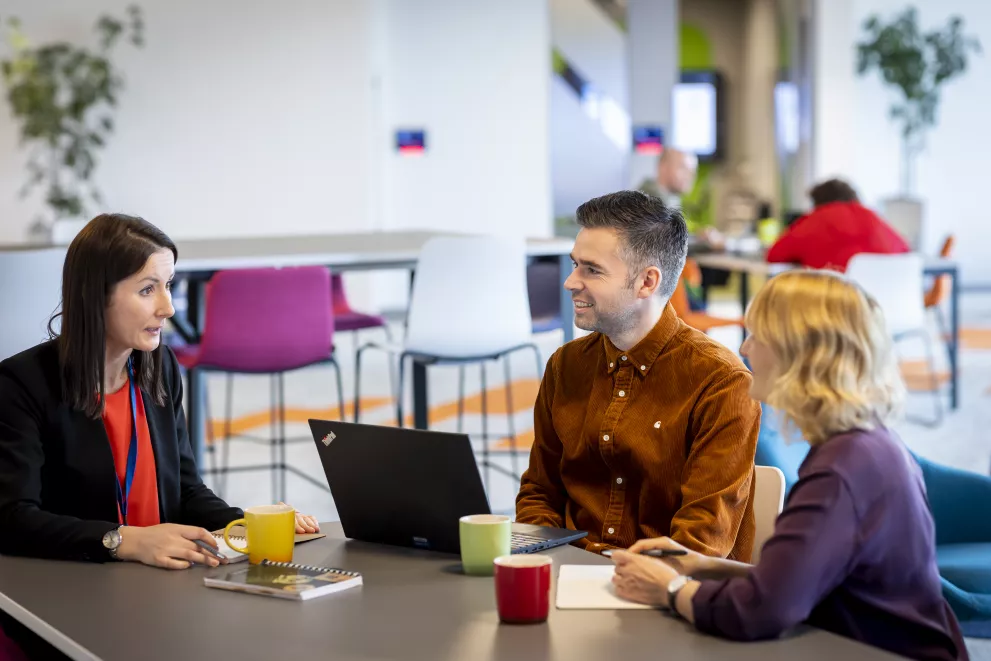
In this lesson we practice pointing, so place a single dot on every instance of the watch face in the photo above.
(112, 539)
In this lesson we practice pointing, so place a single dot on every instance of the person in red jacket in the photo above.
(837, 228)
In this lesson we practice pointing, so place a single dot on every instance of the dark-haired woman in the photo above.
(95, 460)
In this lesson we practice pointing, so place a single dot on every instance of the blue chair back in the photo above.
(772, 450)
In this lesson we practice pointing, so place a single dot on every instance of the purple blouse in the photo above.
(853, 552)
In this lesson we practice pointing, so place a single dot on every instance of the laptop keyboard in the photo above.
(518, 542)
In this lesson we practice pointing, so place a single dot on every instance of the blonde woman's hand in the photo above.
(641, 579)
(692, 563)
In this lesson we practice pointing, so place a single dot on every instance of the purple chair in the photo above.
(265, 321)
(348, 320)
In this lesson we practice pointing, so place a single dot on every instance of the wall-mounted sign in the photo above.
(648, 139)
(411, 142)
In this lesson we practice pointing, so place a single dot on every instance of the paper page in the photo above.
(232, 555)
(589, 587)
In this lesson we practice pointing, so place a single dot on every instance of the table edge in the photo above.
(46, 631)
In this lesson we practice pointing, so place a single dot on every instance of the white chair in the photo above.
(769, 499)
(896, 283)
(30, 291)
(469, 305)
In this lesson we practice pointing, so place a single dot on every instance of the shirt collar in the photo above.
(643, 355)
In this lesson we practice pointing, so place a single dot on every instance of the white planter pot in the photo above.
(904, 214)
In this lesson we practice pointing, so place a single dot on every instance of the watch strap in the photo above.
(682, 581)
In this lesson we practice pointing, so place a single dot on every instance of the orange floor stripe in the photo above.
(975, 338)
(246, 423)
(524, 441)
(918, 378)
(523, 393)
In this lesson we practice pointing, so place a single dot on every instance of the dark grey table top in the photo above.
(413, 605)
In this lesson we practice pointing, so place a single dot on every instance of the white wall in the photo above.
(238, 118)
(245, 119)
(476, 77)
(585, 162)
(855, 139)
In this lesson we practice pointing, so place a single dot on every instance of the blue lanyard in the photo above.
(132, 451)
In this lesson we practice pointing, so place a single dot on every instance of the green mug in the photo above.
(484, 537)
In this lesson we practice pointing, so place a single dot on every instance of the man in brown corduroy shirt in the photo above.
(645, 427)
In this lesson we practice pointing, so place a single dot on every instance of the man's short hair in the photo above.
(653, 234)
(834, 190)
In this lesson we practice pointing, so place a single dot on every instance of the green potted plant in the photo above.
(63, 96)
(917, 64)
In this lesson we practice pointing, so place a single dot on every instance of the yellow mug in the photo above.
(271, 533)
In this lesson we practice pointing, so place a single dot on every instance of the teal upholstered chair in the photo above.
(961, 506)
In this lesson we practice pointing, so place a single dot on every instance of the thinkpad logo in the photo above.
(329, 438)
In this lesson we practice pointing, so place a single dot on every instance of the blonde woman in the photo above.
(853, 551)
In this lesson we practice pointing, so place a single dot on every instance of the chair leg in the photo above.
(485, 428)
(513, 458)
(540, 362)
(934, 381)
(228, 415)
(392, 366)
(282, 436)
(461, 398)
(340, 386)
(944, 335)
(399, 390)
(273, 439)
(211, 442)
(357, 382)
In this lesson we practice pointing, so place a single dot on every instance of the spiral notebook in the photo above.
(285, 580)
(237, 536)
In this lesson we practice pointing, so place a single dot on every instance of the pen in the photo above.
(654, 553)
(213, 551)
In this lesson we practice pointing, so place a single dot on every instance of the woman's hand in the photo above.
(305, 523)
(641, 579)
(692, 563)
(167, 545)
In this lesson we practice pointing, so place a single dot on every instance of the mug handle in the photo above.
(227, 539)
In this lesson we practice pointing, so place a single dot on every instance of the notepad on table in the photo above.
(285, 580)
(237, 536)
(589, 587)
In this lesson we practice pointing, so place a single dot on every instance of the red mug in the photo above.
(523, 588)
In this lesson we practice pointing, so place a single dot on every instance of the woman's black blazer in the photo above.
(57, 493)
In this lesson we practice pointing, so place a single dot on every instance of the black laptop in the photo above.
(409, 487)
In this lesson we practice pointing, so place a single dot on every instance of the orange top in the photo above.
(142, 505)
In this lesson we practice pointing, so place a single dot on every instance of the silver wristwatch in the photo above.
(674, 587)
(111, 542)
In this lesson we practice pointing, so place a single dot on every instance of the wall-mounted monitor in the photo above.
(697, 115)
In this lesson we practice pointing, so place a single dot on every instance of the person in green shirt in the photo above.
(676, 171)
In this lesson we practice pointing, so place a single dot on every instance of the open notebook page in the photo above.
(589, 587)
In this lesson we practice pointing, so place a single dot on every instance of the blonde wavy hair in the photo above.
(837, 369)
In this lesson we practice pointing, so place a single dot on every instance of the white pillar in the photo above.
(653, 51)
